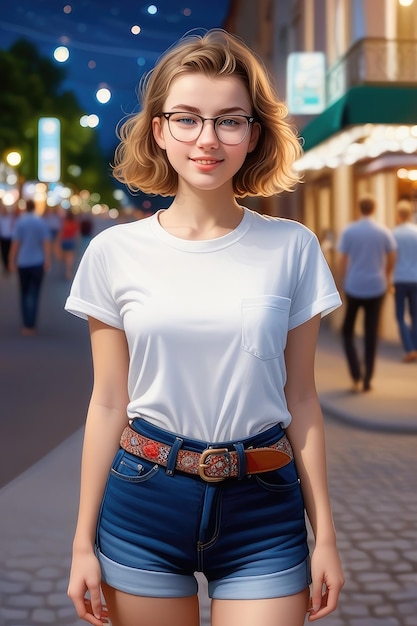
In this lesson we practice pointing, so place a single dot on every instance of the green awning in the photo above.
(363, 104)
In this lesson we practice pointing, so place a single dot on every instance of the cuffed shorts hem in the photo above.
(169, 585)
(275, 585)
(146, 583)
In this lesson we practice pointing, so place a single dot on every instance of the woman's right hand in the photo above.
(84, 589)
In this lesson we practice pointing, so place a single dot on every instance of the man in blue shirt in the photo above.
(30, 255)
(367, 260)
(405, 278)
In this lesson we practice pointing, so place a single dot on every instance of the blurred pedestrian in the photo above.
(68, 238)
(405, 278)
(204, 319)
(53, 218)
(86, 230)
(30, 254)
(367, 257)
(7, 220)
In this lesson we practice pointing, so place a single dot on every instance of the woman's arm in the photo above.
(306, 433)
(105, 421)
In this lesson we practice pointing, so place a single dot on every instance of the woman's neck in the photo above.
(202, 216)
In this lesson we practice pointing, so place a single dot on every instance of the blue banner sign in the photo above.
(49, 149)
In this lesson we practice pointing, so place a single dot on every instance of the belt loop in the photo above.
(172, 457)
(241, 469)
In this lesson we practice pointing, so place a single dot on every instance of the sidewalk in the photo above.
(391, 406)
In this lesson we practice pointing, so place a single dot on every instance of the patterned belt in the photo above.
(213, 464)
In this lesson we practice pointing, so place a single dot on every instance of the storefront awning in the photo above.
(362, 105)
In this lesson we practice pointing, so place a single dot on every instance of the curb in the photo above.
(370, 424)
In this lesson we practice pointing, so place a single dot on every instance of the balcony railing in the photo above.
(373, 60)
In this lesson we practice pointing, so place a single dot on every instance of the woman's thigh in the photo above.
(286, 611)
(129, 610)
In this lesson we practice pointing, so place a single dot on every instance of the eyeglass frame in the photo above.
(250, 119)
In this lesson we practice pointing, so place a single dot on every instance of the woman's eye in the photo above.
(229, 121)
(187, 121)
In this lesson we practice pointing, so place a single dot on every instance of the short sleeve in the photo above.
(315, 291)
(91, 292)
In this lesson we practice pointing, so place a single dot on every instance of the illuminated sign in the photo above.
(49, 149)
(306, 77)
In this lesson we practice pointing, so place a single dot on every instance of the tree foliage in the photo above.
(32, 88)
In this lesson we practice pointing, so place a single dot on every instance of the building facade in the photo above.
(364, 139)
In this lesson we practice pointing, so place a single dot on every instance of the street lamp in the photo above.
(13, 158)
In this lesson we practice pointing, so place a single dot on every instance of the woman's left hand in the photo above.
(327, 581)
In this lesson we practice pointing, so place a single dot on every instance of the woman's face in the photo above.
(205, 163)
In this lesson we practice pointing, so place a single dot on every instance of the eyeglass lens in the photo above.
(230, 129)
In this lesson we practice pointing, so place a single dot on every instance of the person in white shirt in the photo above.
(405, 278)
(204, 440)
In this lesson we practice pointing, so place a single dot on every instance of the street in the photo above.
(372, 480)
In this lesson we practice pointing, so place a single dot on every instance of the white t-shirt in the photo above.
(206, 321)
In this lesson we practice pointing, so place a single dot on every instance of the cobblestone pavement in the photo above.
(372, 481)
(373, 488)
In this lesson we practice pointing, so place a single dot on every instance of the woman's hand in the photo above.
(85, 578)
(327, 581)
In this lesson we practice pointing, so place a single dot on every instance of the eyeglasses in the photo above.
(187, 127)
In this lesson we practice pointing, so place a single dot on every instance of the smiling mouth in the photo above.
(206, 161)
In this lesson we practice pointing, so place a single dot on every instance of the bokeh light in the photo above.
(14, 158)
(89, 121)
(103, 95)
(61, 54)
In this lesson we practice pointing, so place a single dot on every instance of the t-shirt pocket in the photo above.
(265, 325)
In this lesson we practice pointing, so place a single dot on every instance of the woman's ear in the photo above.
(255, 133)
(158, 133)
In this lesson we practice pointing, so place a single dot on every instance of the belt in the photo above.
(213, 464)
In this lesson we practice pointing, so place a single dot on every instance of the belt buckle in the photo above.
(202, 465)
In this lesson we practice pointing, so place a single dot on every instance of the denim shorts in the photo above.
(67, 245)
(247, 536)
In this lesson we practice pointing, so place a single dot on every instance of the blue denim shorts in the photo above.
(247, 536)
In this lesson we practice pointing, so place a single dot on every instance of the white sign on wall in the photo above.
(306, 78)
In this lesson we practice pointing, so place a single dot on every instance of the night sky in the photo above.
(103, 50)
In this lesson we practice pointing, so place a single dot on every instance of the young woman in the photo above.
(204, 320)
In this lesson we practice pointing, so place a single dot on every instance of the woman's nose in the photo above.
(208, 134)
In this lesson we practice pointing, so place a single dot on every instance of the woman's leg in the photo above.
(287, 611)
(69, 263)
(129, 610)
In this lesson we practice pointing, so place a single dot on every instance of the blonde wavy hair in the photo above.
(143, 166)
